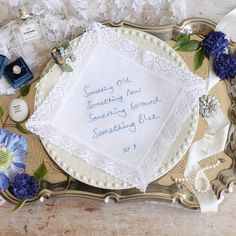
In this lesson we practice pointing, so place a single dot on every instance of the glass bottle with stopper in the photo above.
(30, 35)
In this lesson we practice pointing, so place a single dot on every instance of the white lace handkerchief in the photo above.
(120, 109)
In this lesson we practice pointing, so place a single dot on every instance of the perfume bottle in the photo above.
(30, 35)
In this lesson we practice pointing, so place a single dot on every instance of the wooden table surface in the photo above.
(86, 217)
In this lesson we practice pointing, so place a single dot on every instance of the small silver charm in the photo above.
(208, 106)
(16, 70)
(60, 54)
(63, 56)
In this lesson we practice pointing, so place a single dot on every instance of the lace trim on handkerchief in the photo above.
(192, 87)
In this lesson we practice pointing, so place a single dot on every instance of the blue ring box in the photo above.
(3, 63)
(17, 80)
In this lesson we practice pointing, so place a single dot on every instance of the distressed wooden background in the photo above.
(85, 217)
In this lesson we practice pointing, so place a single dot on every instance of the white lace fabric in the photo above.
(138, 176)
(68, 18)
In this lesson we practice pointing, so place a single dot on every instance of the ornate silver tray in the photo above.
(59, 184)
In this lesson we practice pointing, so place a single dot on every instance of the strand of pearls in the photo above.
(199, 180)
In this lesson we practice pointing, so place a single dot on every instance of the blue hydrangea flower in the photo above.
(13, 150)
(24, 186)
(225, 66)
(215, 43)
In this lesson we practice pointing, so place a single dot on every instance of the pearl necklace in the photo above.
(199, 180)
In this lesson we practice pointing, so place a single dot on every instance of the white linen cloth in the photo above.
(120, 109)
(5, 87)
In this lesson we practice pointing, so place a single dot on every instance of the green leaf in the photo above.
(198, 59)
(1, 112)
(24, 91)
(66, 68)
(20, 128)
(65, 44)
(40, 172)
(182, 39)
(190, 46)
(19, 205)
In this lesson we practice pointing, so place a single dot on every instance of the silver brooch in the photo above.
(208, 106)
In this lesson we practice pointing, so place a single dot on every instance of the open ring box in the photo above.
(21, 77)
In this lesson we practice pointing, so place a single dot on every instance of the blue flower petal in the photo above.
(19, 165)
(19, 156)
(12, 141)
(4, 182)
(16, 169)
(17, 145)
(20, 144)
(10, 174)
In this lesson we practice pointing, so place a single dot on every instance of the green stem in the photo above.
(9, 125)
(4, 123)
(1, 122)
(200, 36)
